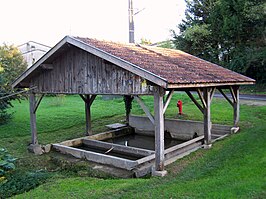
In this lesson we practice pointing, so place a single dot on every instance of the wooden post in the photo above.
(88, 115)
(236, 106)
(128, 106)
(207, 117)
(32, 100)
(159, 131)
(88, 99)
(128, 110)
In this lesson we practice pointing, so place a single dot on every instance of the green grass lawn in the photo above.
(232, 168)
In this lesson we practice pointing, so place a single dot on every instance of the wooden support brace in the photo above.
(88, 100)
(225, 96)
(168, 99)
(194, 100)
(213, 92)
(201, 97)
(144, 108)
(232, 91)
(38, 103)
(92, 98)
(83, 98)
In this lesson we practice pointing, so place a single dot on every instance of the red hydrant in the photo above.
(179, 105)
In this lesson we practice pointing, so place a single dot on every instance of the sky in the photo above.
(48, 21)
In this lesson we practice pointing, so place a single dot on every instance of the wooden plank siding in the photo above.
(80, 72)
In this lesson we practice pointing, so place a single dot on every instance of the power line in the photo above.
(7, 96)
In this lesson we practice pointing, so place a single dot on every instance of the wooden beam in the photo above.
(38, 103)
(236, 105)
(33, 126)
(204, 85)
(194, 100)
(168, 99)
(144, 108)
(207, 117)
(159, 128)
(225, 96)
(201, 97)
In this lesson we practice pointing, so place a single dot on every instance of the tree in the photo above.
(227, 32)
(195, 35)
(165, 44)
(4, 104)
(12, 65)
(243, 32)
(196, 40)
(144, 41)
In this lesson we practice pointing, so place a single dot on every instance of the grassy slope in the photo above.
(234, 167)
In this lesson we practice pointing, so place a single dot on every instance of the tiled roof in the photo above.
(168, 68)
(175, 66)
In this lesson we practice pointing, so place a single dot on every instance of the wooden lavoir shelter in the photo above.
(89, 67)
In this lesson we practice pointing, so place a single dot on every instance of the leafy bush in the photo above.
(6, 162)
(20, 182)
(16, 182)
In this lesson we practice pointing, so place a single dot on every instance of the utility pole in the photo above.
(131, 21)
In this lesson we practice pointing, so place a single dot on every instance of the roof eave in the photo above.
(209, 84)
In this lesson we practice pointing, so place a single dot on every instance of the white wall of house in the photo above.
(32, 51)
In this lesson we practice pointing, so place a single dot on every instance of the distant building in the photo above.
(32, 51)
